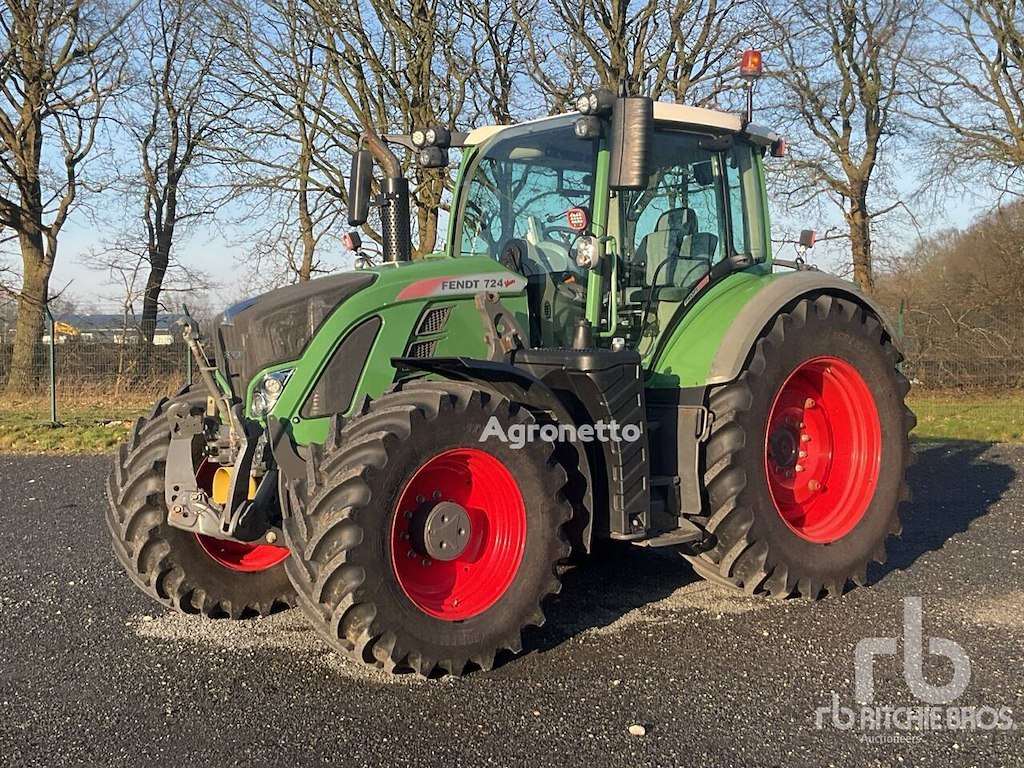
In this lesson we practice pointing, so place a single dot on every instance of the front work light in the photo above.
(598, 103)
(587, 128)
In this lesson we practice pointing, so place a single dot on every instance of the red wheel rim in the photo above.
(248, 558)
(473, 581)
(823, 449)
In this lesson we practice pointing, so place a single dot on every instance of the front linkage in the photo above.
(228, 439)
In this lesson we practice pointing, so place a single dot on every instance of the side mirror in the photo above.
(632, 135)
(359, 188)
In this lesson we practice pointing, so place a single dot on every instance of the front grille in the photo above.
(422, 349)
(433, 320)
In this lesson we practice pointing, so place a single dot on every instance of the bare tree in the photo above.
(492, 48)
(397, 64)
(125, 263)
(171, 118)
(843, 74)
(288, 144)
(680, 49)
(58, 68)
(971, 87)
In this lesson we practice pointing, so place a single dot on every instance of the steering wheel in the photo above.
(561, 229)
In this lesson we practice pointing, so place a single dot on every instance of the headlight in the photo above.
(585, 252)
(267, 391)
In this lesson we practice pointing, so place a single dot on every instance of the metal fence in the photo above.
(966, 351)
(937, 357)
(83, 367)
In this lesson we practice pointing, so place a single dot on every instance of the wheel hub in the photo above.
(783, 447)
(458, 534)
(441, 531)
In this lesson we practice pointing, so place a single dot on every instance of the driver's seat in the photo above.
(667, 249)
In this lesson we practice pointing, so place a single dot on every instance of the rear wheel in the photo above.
(806, 463)
(417, 546)
(177, 568)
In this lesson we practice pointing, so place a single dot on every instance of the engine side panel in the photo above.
(402, 297)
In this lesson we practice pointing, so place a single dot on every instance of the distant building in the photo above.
(111, 328)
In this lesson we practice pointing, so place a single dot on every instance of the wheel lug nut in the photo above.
(813, 485)
(805, 438)
(798, 468)
(789, 473)
(412, 553)
(800, 425)
(802, 454)
(425, 562)
(408, 515)
(421, 498)
(437, 495)
(405, 535)
(809, 403)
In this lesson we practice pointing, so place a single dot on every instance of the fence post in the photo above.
(53, 368)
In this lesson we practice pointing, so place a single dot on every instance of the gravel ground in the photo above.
(92, 672)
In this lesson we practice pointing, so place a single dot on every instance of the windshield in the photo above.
(517, 192)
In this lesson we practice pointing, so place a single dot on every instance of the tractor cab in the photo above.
(617, 256)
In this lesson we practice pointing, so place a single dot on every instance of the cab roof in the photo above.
(679, 114)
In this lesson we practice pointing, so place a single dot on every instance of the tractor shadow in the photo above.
(953, 483)
(618, 579)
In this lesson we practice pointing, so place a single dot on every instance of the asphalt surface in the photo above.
(92, 672)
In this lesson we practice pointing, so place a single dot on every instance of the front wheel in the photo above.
(417, 546)
(177, 568)
(805, 466)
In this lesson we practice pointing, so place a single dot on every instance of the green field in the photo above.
(87, 427)
(96, 427)
(992, 418)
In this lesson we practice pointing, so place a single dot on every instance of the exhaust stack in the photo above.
(393, 201)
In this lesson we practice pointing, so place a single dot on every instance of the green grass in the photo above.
(992, 418)
(97, 426)
(88, 427)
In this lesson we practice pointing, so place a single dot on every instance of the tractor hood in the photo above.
(276, 326)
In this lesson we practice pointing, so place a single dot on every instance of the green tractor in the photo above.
(408, 451)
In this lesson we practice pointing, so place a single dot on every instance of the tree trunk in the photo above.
(859, 221)
(305, 218)
(159, 258)
(31, 314)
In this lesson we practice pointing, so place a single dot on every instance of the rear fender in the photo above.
(758, 313)
(712, 340)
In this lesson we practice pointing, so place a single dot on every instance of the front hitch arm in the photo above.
(221, 402)
(190, 508)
